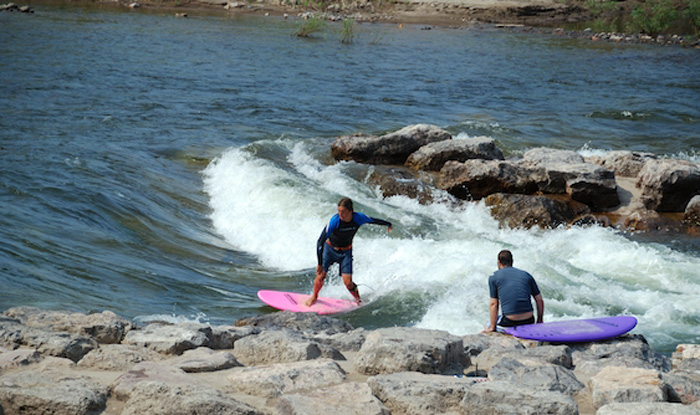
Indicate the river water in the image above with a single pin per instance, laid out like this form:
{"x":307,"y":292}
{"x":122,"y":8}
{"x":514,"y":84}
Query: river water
{"x":169,"y":168}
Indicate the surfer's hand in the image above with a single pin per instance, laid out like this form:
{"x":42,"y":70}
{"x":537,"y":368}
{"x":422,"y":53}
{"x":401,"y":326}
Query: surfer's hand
{"x":488,"y":330}
{"x":389,"y":228}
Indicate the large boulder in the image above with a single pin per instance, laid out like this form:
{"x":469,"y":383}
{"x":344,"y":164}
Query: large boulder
{"x":526,"y":211}
{"x":392,"y":148}
{"x":566,"y":172}
{"x":668,"y":185}
{"x":45,"y":341}
{"x":282,"y":378}
{"x":536,"y":374}
{"x":624,"y":384}
{"x":692,"y":212}
{"x":344,"y":399}
{"x":686,"y":356}
{"x":504,"y":398}
{"x":170,"y":339}
{"x":51,"y":392}
{"x":157,"y":398}
{"x":118,"y":357}
{"x":414,"y":393}
{"x":623,"y":163}
{"x":307,"y":323}
{"x":281,"y":346}
{"x":434,"y":155}
{"x":401,"y":349}
{"x":124,"y":385}
{"x":475,"y":179}
{"x":203,"y":359}
{"x":105,"y":327}
{"x":683,"y":386}
{"x":401,"y":182}
{"x":646,"y":408}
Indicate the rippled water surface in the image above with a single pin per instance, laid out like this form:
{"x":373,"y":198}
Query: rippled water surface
{"x":164,"y":167}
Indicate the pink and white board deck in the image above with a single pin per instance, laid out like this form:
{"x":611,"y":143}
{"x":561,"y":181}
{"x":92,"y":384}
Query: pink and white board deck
{"x":289,"y":301}
{"x":574,"y":331}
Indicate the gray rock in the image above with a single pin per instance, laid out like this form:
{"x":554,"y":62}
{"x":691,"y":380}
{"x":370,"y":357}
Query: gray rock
{"x":526,"y":211}
{"x":668,"y":185}
{"x":622,"y":384}
{"x":47,"y":342}
{"x":476,"y":179}
{"x":692,"y":212}
{"x":105,"y":327}
{"x":351,"y":341}
{"x":475,"y":344}
{"x":400,"y":349}
{"x":686,"y":356}
{"x":545,"y":156}
{"x":11,"y":359}
{"x":282,"y":378}
{"x":344,"y":399}
{"x":203,"y":359}
{"x":393,"y":148}
{"x":536,"y":374}
{"x":155,"y":398}
{"x":123,"y":386}
{"x":51,"y":392}
{"x":224,"y":337}
{"x":647,"y":408}
{"x":414,"y":393}
{"x":625,"y":347}
{"x":504,"y":398}
{"x":306,"y":323}
{"x":399,"y":181}
{"x":622,"y":163}
{"x":170,"y":339}
{"x":434,"y":155}
{"x":281,"y":346}
{"x":556,"y":355}
{"x":115,"y":357}
{"x":586,"y":369}
{"x":683,"y":386}
{"x":650,"y":220}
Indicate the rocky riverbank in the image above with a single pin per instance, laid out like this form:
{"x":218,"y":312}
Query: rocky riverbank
{"x":286,"y":363}
{"x":544,"y":187}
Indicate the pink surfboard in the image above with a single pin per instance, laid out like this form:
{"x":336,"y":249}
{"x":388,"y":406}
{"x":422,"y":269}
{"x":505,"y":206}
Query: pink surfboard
{"x":295,"y":302}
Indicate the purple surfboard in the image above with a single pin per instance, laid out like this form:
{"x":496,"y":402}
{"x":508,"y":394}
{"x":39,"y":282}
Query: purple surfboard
{"x":574,"y":331}
{"x":295,"y":302}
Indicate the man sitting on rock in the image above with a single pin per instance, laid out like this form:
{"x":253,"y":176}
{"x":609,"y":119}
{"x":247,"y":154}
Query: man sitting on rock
{"x":512,"y":288}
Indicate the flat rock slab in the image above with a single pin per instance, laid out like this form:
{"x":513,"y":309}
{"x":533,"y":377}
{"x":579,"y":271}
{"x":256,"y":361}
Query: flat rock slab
{"x":623,"y":384}
{"x":50,"y":392}
{"x":501,"y":398}
{"x":277,"y":379}
{"x":170,"y":339}
{"x":344,"y":399}
{"x":403,"y":349}
{"x":155,"y":398}
{"x":148,"y":372}
{"x":646,"y":408}
{"x":203,"y":359}
{"x":414,"y":393}
{"x":118,"y":357}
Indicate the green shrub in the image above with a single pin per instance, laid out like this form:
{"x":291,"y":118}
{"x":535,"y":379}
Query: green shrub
{"x":692,"y":13}
{"x":653,"y":17}
{"x":348,"y":31}
{"x":597,"y":7}
{"x":311,"y":25}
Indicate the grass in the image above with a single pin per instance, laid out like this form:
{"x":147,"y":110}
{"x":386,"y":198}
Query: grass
{"x":348,"y":31}
{"x":310,"y":26}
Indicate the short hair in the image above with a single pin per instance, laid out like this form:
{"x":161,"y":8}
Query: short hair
{"x":505,"y":258}
{"x":346,"y":202}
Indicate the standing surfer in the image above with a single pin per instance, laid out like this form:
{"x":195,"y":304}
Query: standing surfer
{"x":512,"y":288}
{"x":335,"y":246}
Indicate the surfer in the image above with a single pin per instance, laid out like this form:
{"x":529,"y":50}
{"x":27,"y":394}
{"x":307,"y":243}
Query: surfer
{"x":512,"y":288}
{"x":335,"y":246}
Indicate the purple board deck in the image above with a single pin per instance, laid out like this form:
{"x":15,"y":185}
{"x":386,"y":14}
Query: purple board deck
{"x":295,"y":302}
{"x":574,"y":331}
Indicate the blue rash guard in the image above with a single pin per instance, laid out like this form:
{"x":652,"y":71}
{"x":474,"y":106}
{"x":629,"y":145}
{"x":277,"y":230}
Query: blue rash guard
{"x":340,"y":234}
{"x":513,"y":288}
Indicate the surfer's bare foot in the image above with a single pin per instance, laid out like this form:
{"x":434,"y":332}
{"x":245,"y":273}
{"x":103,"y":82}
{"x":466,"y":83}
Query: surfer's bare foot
{"x":310,"y":301}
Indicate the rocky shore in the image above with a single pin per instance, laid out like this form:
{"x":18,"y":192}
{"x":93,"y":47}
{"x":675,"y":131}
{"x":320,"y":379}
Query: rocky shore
{"x":544,"y":187}
{"x":293,"y":363}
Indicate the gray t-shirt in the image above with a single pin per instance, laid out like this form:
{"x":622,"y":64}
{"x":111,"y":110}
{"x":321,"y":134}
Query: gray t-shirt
{"x":513,"y":288}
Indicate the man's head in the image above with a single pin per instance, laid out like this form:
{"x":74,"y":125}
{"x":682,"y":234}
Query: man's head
{"x":345,"y":209}
{"x":505,"y":259}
